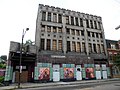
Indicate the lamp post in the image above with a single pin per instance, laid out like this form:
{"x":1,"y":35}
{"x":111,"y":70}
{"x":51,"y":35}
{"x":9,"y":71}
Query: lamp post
{"x":20,"y":65}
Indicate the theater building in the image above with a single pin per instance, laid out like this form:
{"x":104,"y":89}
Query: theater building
{"x":69,"y":45}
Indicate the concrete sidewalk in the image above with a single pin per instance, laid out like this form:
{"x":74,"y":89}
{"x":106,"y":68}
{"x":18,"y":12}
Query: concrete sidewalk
{"x":31,"y":85}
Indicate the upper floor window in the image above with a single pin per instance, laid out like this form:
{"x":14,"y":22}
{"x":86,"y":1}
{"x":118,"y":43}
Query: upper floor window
{"x":88,"y":33}
{"x":68,"y":31}
{"x":59,"y":18}
{"x":81,"y":22}
{"x":72,"y":31}
{"x":72,"y":20}
{"x":48,"y":44}
{"x":54,"y":45}
{"x":67,"y":19}
{"x":60,"y":45}
{"x":44,"y":16}
{"x":48,"y":29}
{"x":77,"y":32}
{"x":113,"y":46}
{"x":54,"y":29}
{"x":54,"y":17}
{"x":42,"y":44}
{"x":93,"y":35}
{"x":82,"y":33}
{"x":43,"y":28}
{"x":59,"y":29}
{"x":76,"y":20}
{"x":78,"y":47}
{"x":73,"y":46}
{"x":97,"y":35}
{"x":95,"y":23}
{"x":49,"y":17}
{"x":99,"y":25}
{"x":91,"y":23}
{"x":68,"y":46}
{"x":87,"y":23}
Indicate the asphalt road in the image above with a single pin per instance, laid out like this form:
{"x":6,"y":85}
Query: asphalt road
{"x":111,"y":85}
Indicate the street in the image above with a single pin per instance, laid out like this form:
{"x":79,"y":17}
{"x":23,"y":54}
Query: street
{"x":111,"y":85}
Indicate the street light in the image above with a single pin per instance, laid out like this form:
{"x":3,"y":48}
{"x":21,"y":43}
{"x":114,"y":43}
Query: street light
{"x":117,"y":27}
{"x":20,"y":66}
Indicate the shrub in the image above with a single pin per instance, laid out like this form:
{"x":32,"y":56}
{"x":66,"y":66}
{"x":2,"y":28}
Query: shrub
{"x":1,"y":79}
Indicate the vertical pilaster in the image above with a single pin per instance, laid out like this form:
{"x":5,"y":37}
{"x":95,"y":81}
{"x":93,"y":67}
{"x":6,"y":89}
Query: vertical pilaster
{"x":64,"y":34}
{"x":86,"y":38}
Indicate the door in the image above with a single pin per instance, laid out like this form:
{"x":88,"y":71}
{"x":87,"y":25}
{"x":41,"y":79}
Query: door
{"x":56,"y":73}
{"x":104,"y":74}
{"x":78,"y":73}
{"x":98,"y":74}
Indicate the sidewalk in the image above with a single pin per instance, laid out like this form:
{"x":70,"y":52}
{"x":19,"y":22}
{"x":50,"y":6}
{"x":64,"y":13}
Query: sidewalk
{"x":31,"y":85}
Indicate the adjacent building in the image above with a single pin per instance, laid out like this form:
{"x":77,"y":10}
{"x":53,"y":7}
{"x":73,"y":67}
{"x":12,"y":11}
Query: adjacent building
{"x":113,"y":48}
{"x":69,"y":45}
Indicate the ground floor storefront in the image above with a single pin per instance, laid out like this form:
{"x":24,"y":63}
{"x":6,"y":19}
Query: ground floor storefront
{"x":56,"y":67}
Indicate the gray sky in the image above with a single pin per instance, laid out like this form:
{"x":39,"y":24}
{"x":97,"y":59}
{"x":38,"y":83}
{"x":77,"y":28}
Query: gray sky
{"x":16,"y":15}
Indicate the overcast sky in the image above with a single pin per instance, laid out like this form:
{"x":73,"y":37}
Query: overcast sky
{"x":16,"y":15}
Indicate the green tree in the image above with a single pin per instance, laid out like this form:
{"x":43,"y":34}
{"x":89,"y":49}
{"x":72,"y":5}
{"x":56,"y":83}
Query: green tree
{"x":116,"y":61}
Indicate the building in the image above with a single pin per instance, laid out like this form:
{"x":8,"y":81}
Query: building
{"x":113,"y":48}
{"x":69,"y":46}
{"x":70,"y":39}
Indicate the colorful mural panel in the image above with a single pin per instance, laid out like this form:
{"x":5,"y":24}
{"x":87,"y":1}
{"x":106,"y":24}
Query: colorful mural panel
{"x":44,"y":74}
{"x":68,"y":73}
{"x":90,"y":73}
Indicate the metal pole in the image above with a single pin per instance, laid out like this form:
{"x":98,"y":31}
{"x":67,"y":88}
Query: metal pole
{"x":20,"y":67}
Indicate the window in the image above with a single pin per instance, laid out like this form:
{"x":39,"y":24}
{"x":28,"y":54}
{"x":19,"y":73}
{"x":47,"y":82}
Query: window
{"x":67,"y":19}
{"x":87,"y":23}
{"x":78,"y":47}
{"x":76,"y":20}
{"x":48,"y":44}
{"x":59,"y":18}
{"x":73,"y":46}
{"x":48,"y":29}
{"x":72,"y":20}
{"x":88,"y":34}
{"x":68,"y":46}
{"x":99,"y":25}
{"x":90,"y":47}
{"x":54,"y":30}
{"x":97,"y":35}
{"x":68,"y":31}
{"x":54,"y":45}
{"x":98,"y":47}
{"x":101,"y":35}
{"x":93,"y":35}
{"x":54,"y":17}
{"x":60,"y":45}
{"x":42,"y":44}
{"x":81,"y":22}
{"x":77,"y":32}
{"x":44,"y":16}
{"x":95,"y":23}
{"x":59,"y":29}
{"x":82,"y":33}
{"x":102,"y":47}
{"x":83,"y":47}
{"x":91,"y":23}
{"x":72,"y":31}
{"x":49,"y":17}
{"x":94,"y":47}
{"x":113,"y":46}
{"x":43,"y":28}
